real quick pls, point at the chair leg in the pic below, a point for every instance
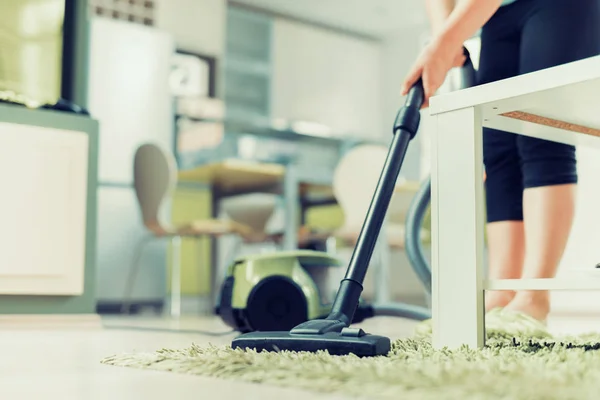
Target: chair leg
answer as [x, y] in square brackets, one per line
[212, 276]
[133, 273]
[176, 276]
[215, 272]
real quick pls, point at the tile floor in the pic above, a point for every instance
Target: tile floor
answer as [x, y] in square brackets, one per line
[63, 363]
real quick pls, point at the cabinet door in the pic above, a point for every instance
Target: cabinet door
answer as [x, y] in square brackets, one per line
[326, 78]
[43, 173]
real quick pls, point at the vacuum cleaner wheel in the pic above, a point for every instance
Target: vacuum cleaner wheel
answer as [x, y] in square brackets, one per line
[276, 303]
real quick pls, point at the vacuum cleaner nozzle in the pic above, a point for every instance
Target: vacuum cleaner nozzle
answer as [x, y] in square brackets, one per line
[348, 341]
[331, 334]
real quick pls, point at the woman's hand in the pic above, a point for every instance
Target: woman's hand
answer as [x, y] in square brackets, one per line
[432, 65]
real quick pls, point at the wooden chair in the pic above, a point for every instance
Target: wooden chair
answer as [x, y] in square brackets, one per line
[155, 179]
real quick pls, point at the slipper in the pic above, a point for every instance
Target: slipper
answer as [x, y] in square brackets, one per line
[505, 322]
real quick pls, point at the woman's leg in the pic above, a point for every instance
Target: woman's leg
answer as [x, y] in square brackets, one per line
[505, 229]
[556, 32]
[548, 214]
[506, 249]
[499, 59]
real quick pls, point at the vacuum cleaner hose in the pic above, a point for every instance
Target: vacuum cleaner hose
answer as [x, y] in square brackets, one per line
[406, 311]
[414, 221]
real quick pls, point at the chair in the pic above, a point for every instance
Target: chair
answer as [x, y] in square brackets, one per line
[155, 179]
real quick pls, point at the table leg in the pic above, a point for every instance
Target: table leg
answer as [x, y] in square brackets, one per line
[176, 276]
[216, 262]
[291, 200]
[457, 204]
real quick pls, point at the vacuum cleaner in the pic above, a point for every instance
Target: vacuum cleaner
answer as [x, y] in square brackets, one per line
[277, 291]
[282, 284]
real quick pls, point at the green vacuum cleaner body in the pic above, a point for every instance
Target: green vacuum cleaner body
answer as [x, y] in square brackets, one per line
[273, 292]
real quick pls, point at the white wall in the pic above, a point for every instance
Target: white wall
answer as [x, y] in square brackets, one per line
[196, 25]
[325, 77]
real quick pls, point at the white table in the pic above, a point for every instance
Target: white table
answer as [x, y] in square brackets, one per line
[560, 104]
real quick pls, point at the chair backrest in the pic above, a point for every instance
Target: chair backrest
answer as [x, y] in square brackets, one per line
[155, 178]
[355, 179]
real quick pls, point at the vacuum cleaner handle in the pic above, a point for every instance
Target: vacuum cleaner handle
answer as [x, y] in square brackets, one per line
[468, 71]
[416, 94]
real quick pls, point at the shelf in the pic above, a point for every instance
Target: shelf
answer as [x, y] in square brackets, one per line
[588, 279]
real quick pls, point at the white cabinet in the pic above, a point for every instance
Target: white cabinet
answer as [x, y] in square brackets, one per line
[328, 78]
[43, 172]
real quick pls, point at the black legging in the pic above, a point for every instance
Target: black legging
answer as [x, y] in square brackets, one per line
[522, 37]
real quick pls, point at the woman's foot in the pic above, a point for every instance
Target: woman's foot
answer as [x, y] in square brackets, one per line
[498, 299]
[536, 304]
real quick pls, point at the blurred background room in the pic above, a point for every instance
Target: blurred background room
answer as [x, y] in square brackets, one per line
[148, 143]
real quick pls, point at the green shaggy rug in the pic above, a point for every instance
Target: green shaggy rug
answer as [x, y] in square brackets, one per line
[520, 361]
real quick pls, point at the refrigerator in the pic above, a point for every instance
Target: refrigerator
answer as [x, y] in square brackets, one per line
[129, 95]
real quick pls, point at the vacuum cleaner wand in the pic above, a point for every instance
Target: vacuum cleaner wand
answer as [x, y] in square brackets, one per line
[405, 128]
[333, 334]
